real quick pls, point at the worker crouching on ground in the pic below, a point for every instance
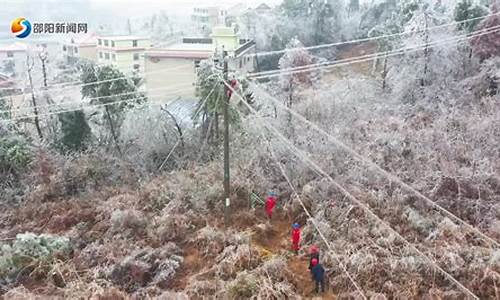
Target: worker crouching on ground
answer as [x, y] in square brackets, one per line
[270, 204]
[313, 254]
[318, 275]
[296, 238]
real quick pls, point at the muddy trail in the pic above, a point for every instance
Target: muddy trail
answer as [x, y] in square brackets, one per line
[269, 239]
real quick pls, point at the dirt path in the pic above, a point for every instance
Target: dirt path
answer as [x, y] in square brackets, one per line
[192, 264]
[270, 239]
[276, 240]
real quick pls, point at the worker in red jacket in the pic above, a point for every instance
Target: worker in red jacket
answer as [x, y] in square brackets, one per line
[270, 204]
[313, 254]
[296, 238]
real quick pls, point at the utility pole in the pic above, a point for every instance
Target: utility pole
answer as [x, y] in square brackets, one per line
[43, 58]
[33, 100]
[227, 204]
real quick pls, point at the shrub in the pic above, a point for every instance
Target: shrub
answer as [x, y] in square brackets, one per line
[128, 219]
[145, 267]
[244, 286]
[15, 154]
[31, 250]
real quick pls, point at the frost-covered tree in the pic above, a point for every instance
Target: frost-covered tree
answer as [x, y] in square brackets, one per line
[353, 6]
[427, 63]
[314, 21]
[375, 14]
[75, 131]
[291, 82]
[209, 92]
[386, 44]
[468, 9]
[114, 92]
[464, 11]
[487, 45]
[295, 56]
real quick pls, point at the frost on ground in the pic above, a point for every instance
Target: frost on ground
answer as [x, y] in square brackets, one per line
[95, 223]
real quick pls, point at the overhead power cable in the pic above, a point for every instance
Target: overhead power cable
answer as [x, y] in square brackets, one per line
[368, 57]
[55, 105]
[267, 53]
[93, 106]
[301, 155]
[313, 221]
[101, 81]
[197, 112]
[373, 165]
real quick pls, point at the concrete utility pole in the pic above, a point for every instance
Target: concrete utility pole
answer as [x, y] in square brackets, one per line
[43, 58]
[33, 100]
[227, 204]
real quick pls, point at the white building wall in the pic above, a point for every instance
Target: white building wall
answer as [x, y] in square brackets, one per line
[18, 58]
[170, 72]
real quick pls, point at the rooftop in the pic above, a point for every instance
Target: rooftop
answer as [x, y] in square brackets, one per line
[123, 37]
[183, 50]
[263, 6]
[221, 31]
[14, 47]
[191, 47]
[84, 40]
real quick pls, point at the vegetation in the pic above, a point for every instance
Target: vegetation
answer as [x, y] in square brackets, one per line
[115, 96]
[85, 223]
[75, 131]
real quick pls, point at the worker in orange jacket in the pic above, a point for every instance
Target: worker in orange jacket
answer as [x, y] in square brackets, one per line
[296, 238]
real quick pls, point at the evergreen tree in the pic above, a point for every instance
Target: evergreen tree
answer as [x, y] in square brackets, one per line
[487, 45]
[114, 92]
[75, 131]
[210, 88]
[467, 9]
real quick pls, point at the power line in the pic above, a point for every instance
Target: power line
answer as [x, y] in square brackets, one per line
[205, 142]
[328, 244]
[368, 57]
[102, 81]
[267, 53]
[194, 117]
[379, 169]
[88, 107]
[300, 154]
[19, 110]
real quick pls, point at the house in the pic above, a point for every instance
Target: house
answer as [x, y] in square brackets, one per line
[80, 48]
[177, 64]
[124, 52]
[13, 59]
[205, 18]
[262, 9]
[234, 14]
[6, 82]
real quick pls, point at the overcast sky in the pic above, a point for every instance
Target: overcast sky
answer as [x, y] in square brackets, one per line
[146, 6]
